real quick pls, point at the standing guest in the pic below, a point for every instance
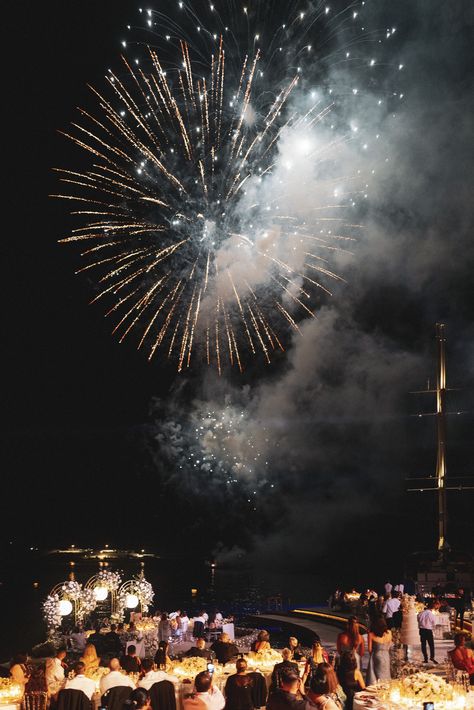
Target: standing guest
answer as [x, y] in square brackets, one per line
[225, 650]
[115, 678]
[219, 619]
[78, 640]
[351, 640]
[295, 648]
[279, 668]
[460, 604]
[318, 655]
[164, 629]
[199, 622]
[183, 625]
[18, 670]
[151, 676]
[131, 662]
[388, 586]
[54, 671]
[199, 650]
[263, 642]
[286, 696]
[162, 659]
[80, 681]
[206, 697]
[112, 642]
[426, 625]
[90, 658]
[319, 691]
[97, 640]
[238, 688]
[399, 587]
[391, 606]
[461, 657]
[379, 643]
[350, 677]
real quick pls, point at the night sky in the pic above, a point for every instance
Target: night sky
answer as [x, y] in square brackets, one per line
[94, 434]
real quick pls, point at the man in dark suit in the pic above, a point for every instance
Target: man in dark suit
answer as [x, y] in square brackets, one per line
[286, 697]
[199, 650]
[225, 650]
[287, 664]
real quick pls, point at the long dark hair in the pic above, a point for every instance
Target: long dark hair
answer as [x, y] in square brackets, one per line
[353, 631]
[379, 626]
[161, 654]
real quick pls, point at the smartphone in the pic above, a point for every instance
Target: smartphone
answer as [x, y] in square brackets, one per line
[428, 706]
[211, 667]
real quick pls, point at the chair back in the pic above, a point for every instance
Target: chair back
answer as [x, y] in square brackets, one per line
[114, 698]
[35, 700]
[72, 699]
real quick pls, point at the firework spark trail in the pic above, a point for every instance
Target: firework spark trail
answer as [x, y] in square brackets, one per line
[189, 195]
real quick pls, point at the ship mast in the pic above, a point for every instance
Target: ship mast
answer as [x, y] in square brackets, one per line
[441, 435]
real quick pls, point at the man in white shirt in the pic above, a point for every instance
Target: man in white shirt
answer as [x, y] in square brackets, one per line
[426, 624]
[206, 696]
[152, 676]
[183, 625]
[80, 682]
[115, 678]
[54, 672]
[391, 607]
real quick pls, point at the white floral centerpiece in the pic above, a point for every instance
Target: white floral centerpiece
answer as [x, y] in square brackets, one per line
[190, 667]
[264, 660]
[72, 590]
[10, 692]
[87, 604]
[425, 687]
[109, 579]
[97, 674]
[51, 613]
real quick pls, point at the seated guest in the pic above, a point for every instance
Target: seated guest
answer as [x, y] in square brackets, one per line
[335, 691]
[238, 688]
[286, 664]
[206, 697]
[295, 648]
[112, 642]
[54, 671]
[461, 657]
[90, 658]
[139, 700]
[319, 691]
[199, 650]
[350, 677]
[318, 655]
[80, 681]
[286, 696]
[151, 676]
[18, 670]
[115, 678]
[162, 659]
[78, 640]
[131, 663]
[262, 643]
[225, 650]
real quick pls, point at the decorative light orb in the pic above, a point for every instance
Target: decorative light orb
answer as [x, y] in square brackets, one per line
[100, 593]
[65, 607]
[131, 601]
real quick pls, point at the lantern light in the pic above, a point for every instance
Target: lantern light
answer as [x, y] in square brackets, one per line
[131, 601]
[65, 607]
[101, 593]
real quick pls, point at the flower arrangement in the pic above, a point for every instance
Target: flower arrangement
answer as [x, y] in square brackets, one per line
[264, 660]
[139, 587]
[51, 613]
[425, 686]
[10, 692]
[190, 667]
[109, 579]
[87, 604]
[72, 590]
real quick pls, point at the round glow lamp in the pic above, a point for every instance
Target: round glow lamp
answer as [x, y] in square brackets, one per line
[101, 593]
[131, 601]
[65, 607]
